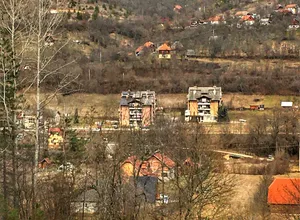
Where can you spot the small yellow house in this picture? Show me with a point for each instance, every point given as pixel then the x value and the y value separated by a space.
pixel 164 51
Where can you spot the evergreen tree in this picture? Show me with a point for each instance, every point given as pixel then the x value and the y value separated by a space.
pixel 223 114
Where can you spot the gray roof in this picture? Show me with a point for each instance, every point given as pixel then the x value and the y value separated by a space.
pixel 146 186
pixel 214 93
pixel 144 97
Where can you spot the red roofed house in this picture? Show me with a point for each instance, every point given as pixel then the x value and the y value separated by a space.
pixel 148 46
pixel 293 8
pixel 177 8
pixel 161 165
pixel 158 165
pixel 164 51
pixel 284 196
pixel 248 20
pixel 217 20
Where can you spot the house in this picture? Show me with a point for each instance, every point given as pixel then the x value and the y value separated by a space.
pixel 264 21
pixel 55 138
pixel 161 165
pixel 240 14
pixel 164 51
pixel 284 196
pixel 147 47
pixel 133 166
pixel 46 162
pixel 177 8
pixel 158 165
pixel 294 24
pixel 203 104
pixel 217 20
pixel 137 109
pixel 248 20
pixel 293 8
pixel 87 203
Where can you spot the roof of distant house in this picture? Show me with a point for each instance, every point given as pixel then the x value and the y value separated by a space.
pixel 144 97
pixel 216 18
pixel 148 44
pixel 177 7
pixel 47 160
pixel 139 49
pixel 291 6
pixel 214 93
pixel 241 13
pixel 247 18
pixel 163 47
pixel 284 191
pixel 164 159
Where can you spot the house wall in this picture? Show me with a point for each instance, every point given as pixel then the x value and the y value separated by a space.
pixel 164 54
pixel 193 107
pixel 214 106
pixel 124 116
pixel 285 209
pixel 146 115
pixel 127 169
pixel 157 167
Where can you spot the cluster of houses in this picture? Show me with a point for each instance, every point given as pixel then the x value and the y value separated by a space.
pixel 137 109
pixel 164 51
pixel 146 175
pixel 245 18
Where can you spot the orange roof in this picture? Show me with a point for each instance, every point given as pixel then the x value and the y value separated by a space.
pixel 241 13
pixel 247 18
pixel 148 44
pixel 164 47
pixel 291 6
pixel 139 49
pixel 163 158
pixel 216 18
pixel 177 7
pixel 284 191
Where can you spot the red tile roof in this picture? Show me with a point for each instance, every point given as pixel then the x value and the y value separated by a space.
pixel 164 159
pixel 139 49
pixel 164 47
pixel 284 191
pixel 149 44
pixel 247 18
pixel 291 6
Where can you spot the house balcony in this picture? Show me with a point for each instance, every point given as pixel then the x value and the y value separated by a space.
pixel 201 108
pixel 203 113
pixel 203 103
pixel 135 108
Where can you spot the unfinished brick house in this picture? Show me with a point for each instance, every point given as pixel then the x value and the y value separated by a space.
pixel 203 104
pixel 137 109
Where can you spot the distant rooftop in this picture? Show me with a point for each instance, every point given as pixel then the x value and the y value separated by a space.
pixel 214 93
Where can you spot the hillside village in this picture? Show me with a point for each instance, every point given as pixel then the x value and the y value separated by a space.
pixel 150 109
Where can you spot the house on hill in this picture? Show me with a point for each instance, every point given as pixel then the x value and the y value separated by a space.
pixel 164 51
pixel 284 196
pixel 148 47
pixel 217 20
pixel 293 8
pixel 203 104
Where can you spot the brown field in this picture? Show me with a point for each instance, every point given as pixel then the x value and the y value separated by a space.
pixel 107 105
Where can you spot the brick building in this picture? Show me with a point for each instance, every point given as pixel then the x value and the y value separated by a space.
pixel 137 109
pixel 203 104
